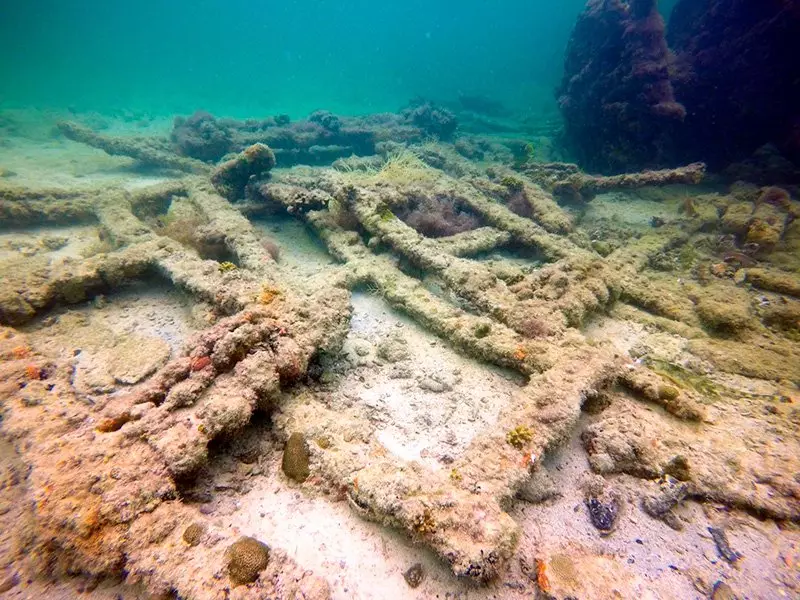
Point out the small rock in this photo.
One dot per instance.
(660, 505)
(679, 468)
(438, 382)
(393, 349)
(8, 582)
(722, 591)
(296, 458)
(538, 488)
(432, 385)
(400, 372)
(415, 575)
(603, 504)
(361, 347)
(723, 547)
(603, 514)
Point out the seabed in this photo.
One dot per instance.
(340, 358)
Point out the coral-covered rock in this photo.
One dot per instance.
(769, 219)
(438, 122)
(231, 177)
(201, 136)
(737, 73)
(736, 218)
(616, 97)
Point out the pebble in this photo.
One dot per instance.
(361, 347)
(603, 514)
(722, 591)
(414, 575)
(8, 582)
(432, 385)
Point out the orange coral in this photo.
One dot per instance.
(267, 295)
(110, 424)
(200, 363)
(528, 459)
(520, 353)
(33, 372)
(719, 269)
(541, 577)
(19, 352)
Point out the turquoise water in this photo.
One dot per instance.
(245, 57)
(254, 59)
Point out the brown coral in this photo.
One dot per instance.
(296, 458)
(193, 534)
(245, 559)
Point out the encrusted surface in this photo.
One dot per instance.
(106, 471)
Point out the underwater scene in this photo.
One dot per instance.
(400, 300)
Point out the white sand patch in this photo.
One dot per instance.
(428, 406)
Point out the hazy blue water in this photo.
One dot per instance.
(251, 57)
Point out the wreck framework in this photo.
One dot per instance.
(89, 518)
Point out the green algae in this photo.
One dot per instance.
(682, 377)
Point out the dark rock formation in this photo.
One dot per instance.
(327, 119)
(727, 84)
(318, 140)
(618, 104)
(738, 74)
